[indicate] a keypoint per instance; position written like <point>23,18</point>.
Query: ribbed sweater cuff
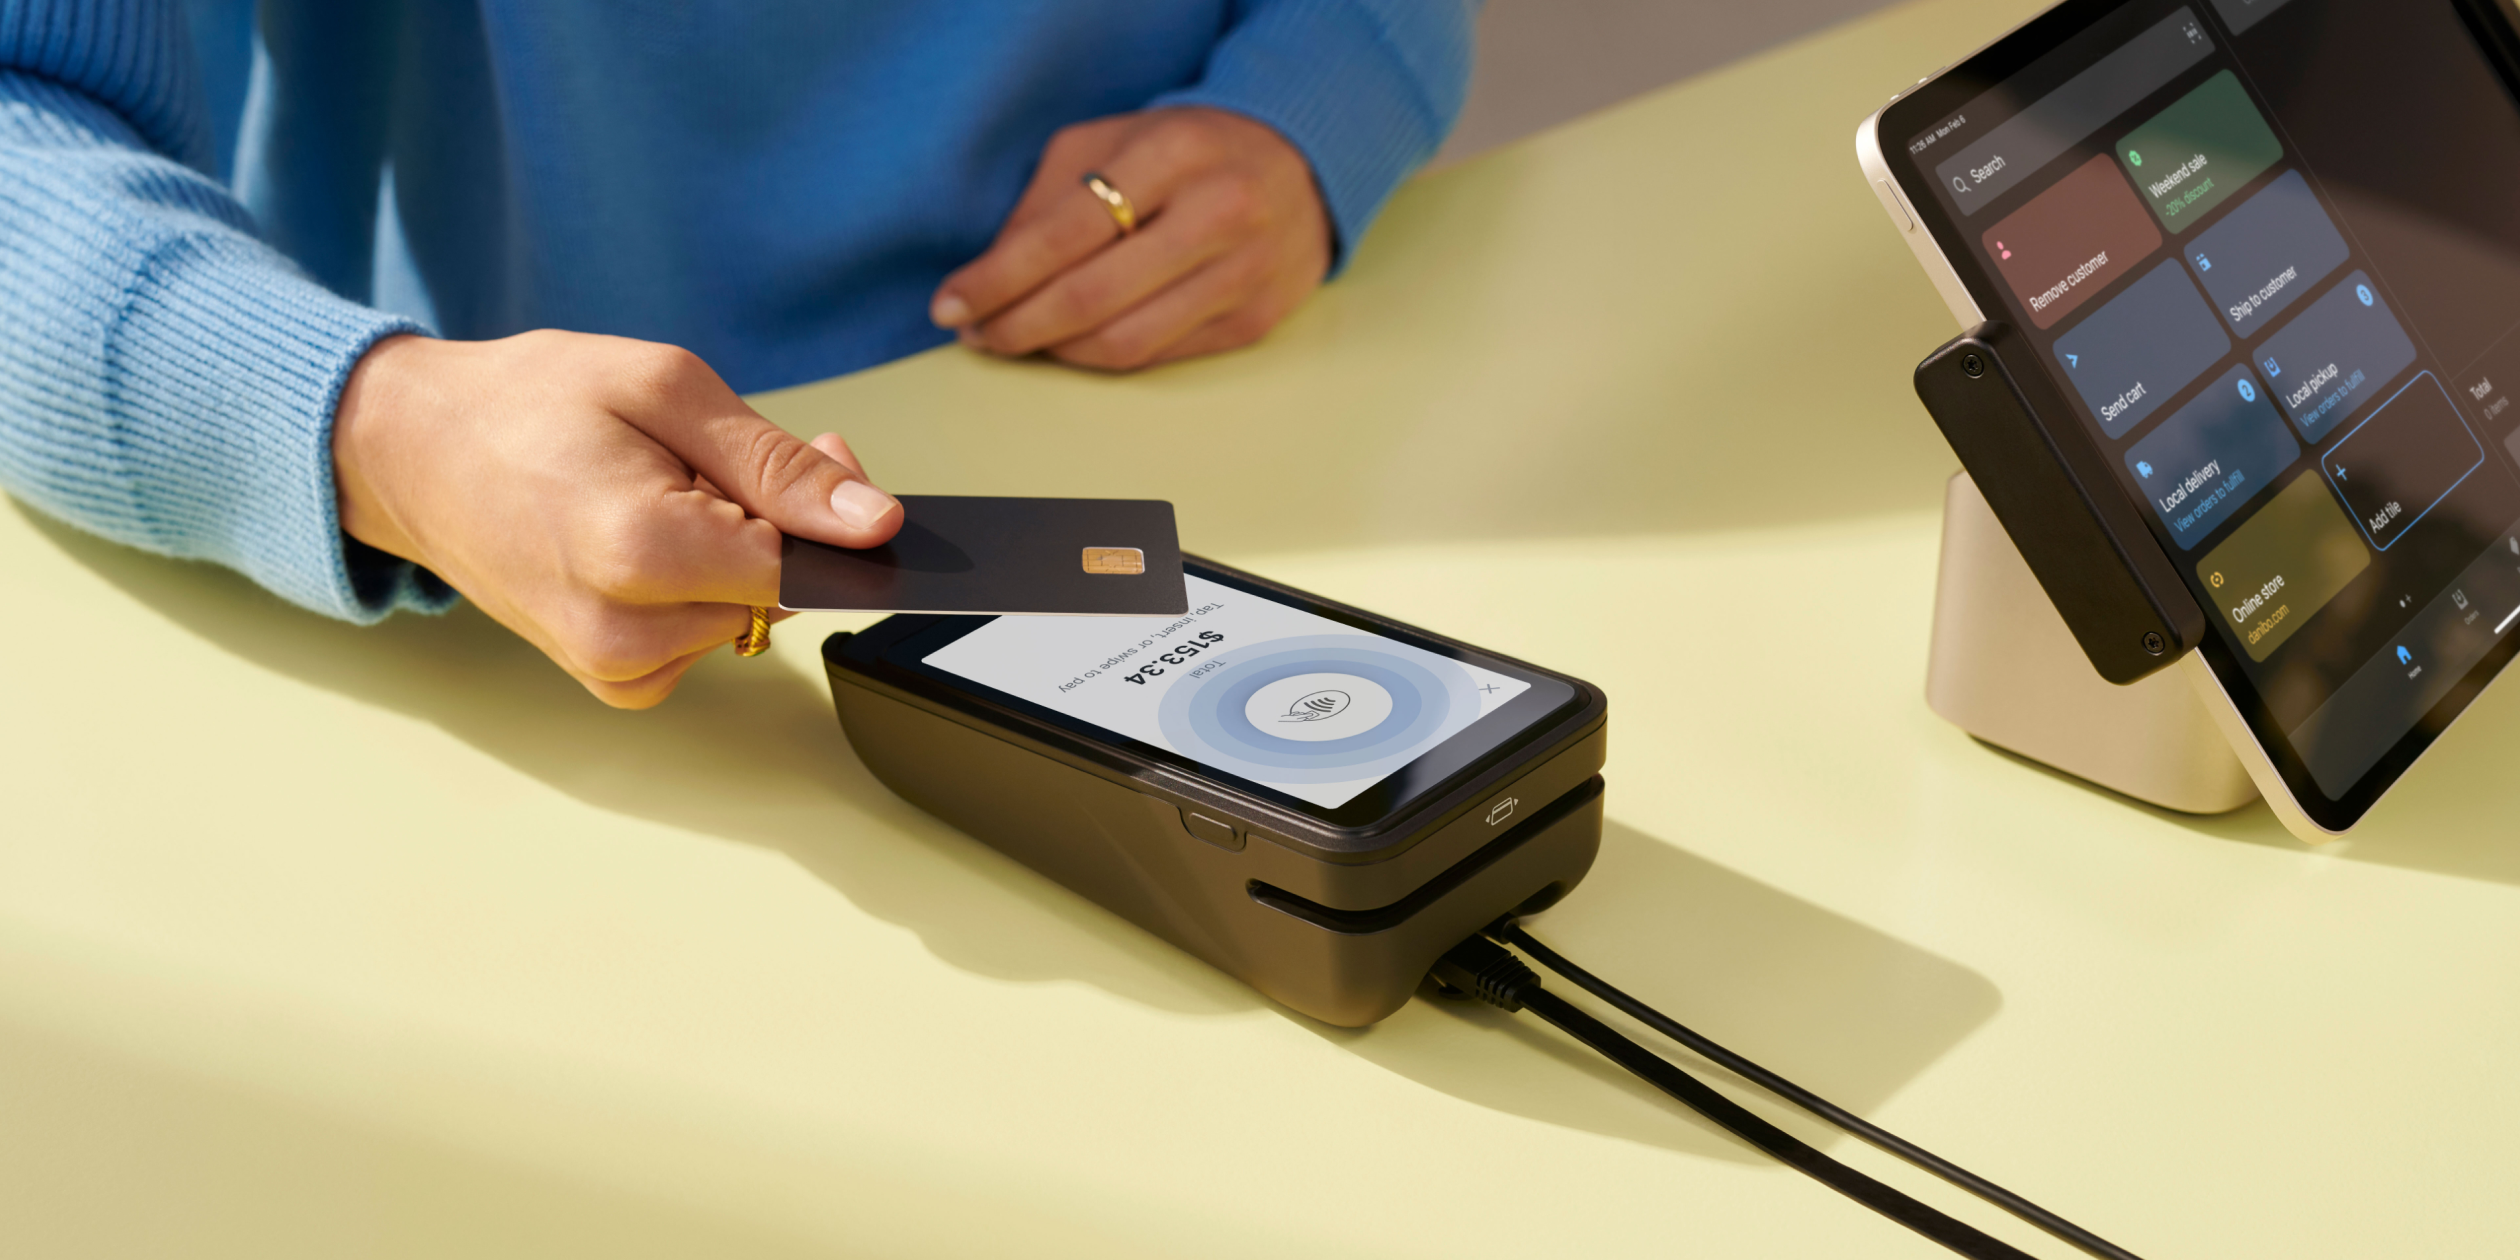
<point>1344,89</point>
<point>226,367</point>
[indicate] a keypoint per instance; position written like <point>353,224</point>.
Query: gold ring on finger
<point>755,639</point>
<point>1114,200</point>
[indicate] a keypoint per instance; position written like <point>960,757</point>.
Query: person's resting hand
<point>1231,235</point>
<point>610,500</point>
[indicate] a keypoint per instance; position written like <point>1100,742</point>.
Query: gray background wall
<point>1542,62</point>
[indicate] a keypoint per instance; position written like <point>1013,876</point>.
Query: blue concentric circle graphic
<point>1207,717</point>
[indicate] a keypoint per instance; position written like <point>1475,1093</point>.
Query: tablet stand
<point>2004,668</point>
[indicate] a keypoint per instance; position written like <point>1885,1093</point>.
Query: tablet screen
<point>2269,252</point>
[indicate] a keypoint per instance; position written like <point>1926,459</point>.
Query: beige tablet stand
<point>2005,669</point>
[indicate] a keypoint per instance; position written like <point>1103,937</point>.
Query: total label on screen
<point>1312,707</point>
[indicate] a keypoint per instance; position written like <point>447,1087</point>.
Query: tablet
<point>2268,251</point>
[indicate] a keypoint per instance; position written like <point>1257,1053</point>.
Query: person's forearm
<point>168,381</point>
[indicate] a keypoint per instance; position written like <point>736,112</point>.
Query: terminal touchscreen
<point>2267,252</point>
<point>1337,720</point>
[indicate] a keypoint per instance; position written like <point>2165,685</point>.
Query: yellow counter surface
<point>320,941</point>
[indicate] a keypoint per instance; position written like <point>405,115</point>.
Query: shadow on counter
<point>749,751</point>
<point>2450,815</point>
<point>1842,1009</point>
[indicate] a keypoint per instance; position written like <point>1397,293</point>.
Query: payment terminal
<point>1312,798</point>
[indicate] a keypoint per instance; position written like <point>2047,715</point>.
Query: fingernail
<point>861,505</point>
<point>949,311</point>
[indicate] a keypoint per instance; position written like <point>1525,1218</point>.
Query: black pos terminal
<point>1314,799</point>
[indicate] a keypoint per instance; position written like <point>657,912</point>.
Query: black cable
<point>1491,973</point>
<point>1513,933</point>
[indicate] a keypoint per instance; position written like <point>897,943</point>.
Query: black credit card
<point>964,554</point>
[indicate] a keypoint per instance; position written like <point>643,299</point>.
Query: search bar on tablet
<point>2022,144</point>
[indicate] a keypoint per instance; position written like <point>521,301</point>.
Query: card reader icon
<point>1502,810</point>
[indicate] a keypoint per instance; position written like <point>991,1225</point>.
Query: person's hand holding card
<point>611,501</point>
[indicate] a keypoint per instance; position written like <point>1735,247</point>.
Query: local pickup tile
<point>2334,355</point>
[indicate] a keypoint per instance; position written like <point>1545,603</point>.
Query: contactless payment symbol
<point>1317,707</point>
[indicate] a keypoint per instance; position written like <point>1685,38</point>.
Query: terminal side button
<point>1215,831</point>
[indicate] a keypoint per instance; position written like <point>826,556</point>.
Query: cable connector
<point>1487,971</point>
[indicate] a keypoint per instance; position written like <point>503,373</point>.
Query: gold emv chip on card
<point>966,554</point>
<point>1115,560</point>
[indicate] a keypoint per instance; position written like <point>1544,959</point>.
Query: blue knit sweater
<point>209,209</point>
